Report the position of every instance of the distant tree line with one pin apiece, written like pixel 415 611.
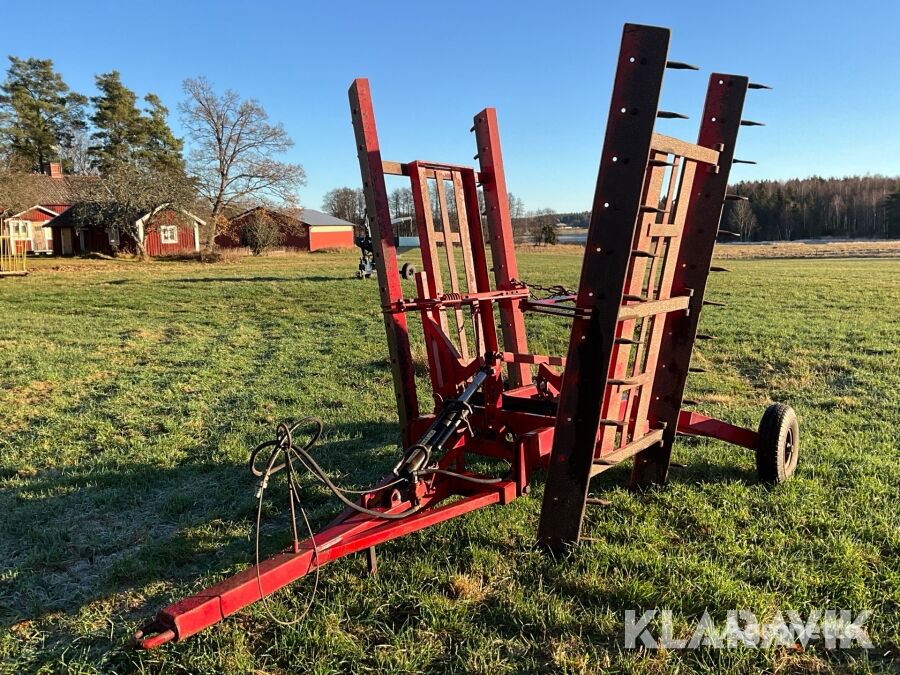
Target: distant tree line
pixel 804 208
pixel 807 208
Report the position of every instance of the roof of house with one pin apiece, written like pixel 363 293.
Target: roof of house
pixel 313 217
pixel 47 209
pixel 310 217
pixel 44 189
pixel 67 218
pixel 64 219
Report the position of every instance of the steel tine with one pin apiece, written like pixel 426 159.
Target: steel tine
pixel 681 65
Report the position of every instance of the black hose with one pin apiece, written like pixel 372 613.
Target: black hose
pixel 465 477
pixel 316 470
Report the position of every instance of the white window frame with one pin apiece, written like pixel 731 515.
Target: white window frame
pixel 168 234
pixel 20 229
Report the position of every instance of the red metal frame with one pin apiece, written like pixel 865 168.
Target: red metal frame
pixel 634 319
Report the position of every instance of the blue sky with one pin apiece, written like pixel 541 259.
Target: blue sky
pixel 547 67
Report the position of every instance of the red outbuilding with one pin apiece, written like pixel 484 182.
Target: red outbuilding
pixel 301 229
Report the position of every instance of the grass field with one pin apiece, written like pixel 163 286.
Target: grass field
pixel 131 393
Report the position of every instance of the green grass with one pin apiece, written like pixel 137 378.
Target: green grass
pixel 131 393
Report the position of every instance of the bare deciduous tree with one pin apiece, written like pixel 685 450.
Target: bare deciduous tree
pixel 346 203
pixel 232 156
pixel 126 192
pixel 261 232
pixel 547 226
pixel 742 219
pixel 76 154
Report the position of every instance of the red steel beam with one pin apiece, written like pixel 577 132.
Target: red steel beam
pixel 614 217
pixel 344 536
pixel 695 424
pixel 718 130
pixel 496 201
pixel 371 168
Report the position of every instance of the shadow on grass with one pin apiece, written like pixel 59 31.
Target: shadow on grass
pixel 79 535
pixel 205 280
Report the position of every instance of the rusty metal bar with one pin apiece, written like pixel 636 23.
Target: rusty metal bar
pixel 675 146
pixel 485 317
pixel 459 317
pixel 626 451
pixel 427 236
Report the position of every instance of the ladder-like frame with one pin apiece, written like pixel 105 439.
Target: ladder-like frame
pixel 654 224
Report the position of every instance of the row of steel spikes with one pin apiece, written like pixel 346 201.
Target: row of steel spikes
pixel 665 114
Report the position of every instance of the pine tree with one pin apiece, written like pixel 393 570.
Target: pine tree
pixel 127 134
pixel 39 115
pixel 892 208
pixel 117 120
pixel 161 146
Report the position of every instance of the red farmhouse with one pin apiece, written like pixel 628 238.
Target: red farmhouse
pixel 51 194
pixel 164 231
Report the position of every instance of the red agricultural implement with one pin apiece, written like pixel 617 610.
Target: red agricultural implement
pixel 616 395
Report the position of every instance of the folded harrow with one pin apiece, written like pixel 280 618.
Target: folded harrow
pixel 616 395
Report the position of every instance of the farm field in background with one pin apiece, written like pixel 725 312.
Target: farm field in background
pixel 132 392
pixel 809 248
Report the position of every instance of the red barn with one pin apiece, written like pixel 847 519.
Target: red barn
pixel 302 230
pixel 164 231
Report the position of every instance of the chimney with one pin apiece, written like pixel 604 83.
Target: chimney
pixel 55 169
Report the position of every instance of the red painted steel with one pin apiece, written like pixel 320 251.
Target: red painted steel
pixel 347 534
pixel 604 275
pixel 695 424
pixel 718 130
pixel 496 201
pixel 578 414
pixel 385 254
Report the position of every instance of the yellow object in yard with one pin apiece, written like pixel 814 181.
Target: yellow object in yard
pixel 12 260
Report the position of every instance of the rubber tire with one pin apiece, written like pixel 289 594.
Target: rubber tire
pixel 778 445
pixel 408 271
